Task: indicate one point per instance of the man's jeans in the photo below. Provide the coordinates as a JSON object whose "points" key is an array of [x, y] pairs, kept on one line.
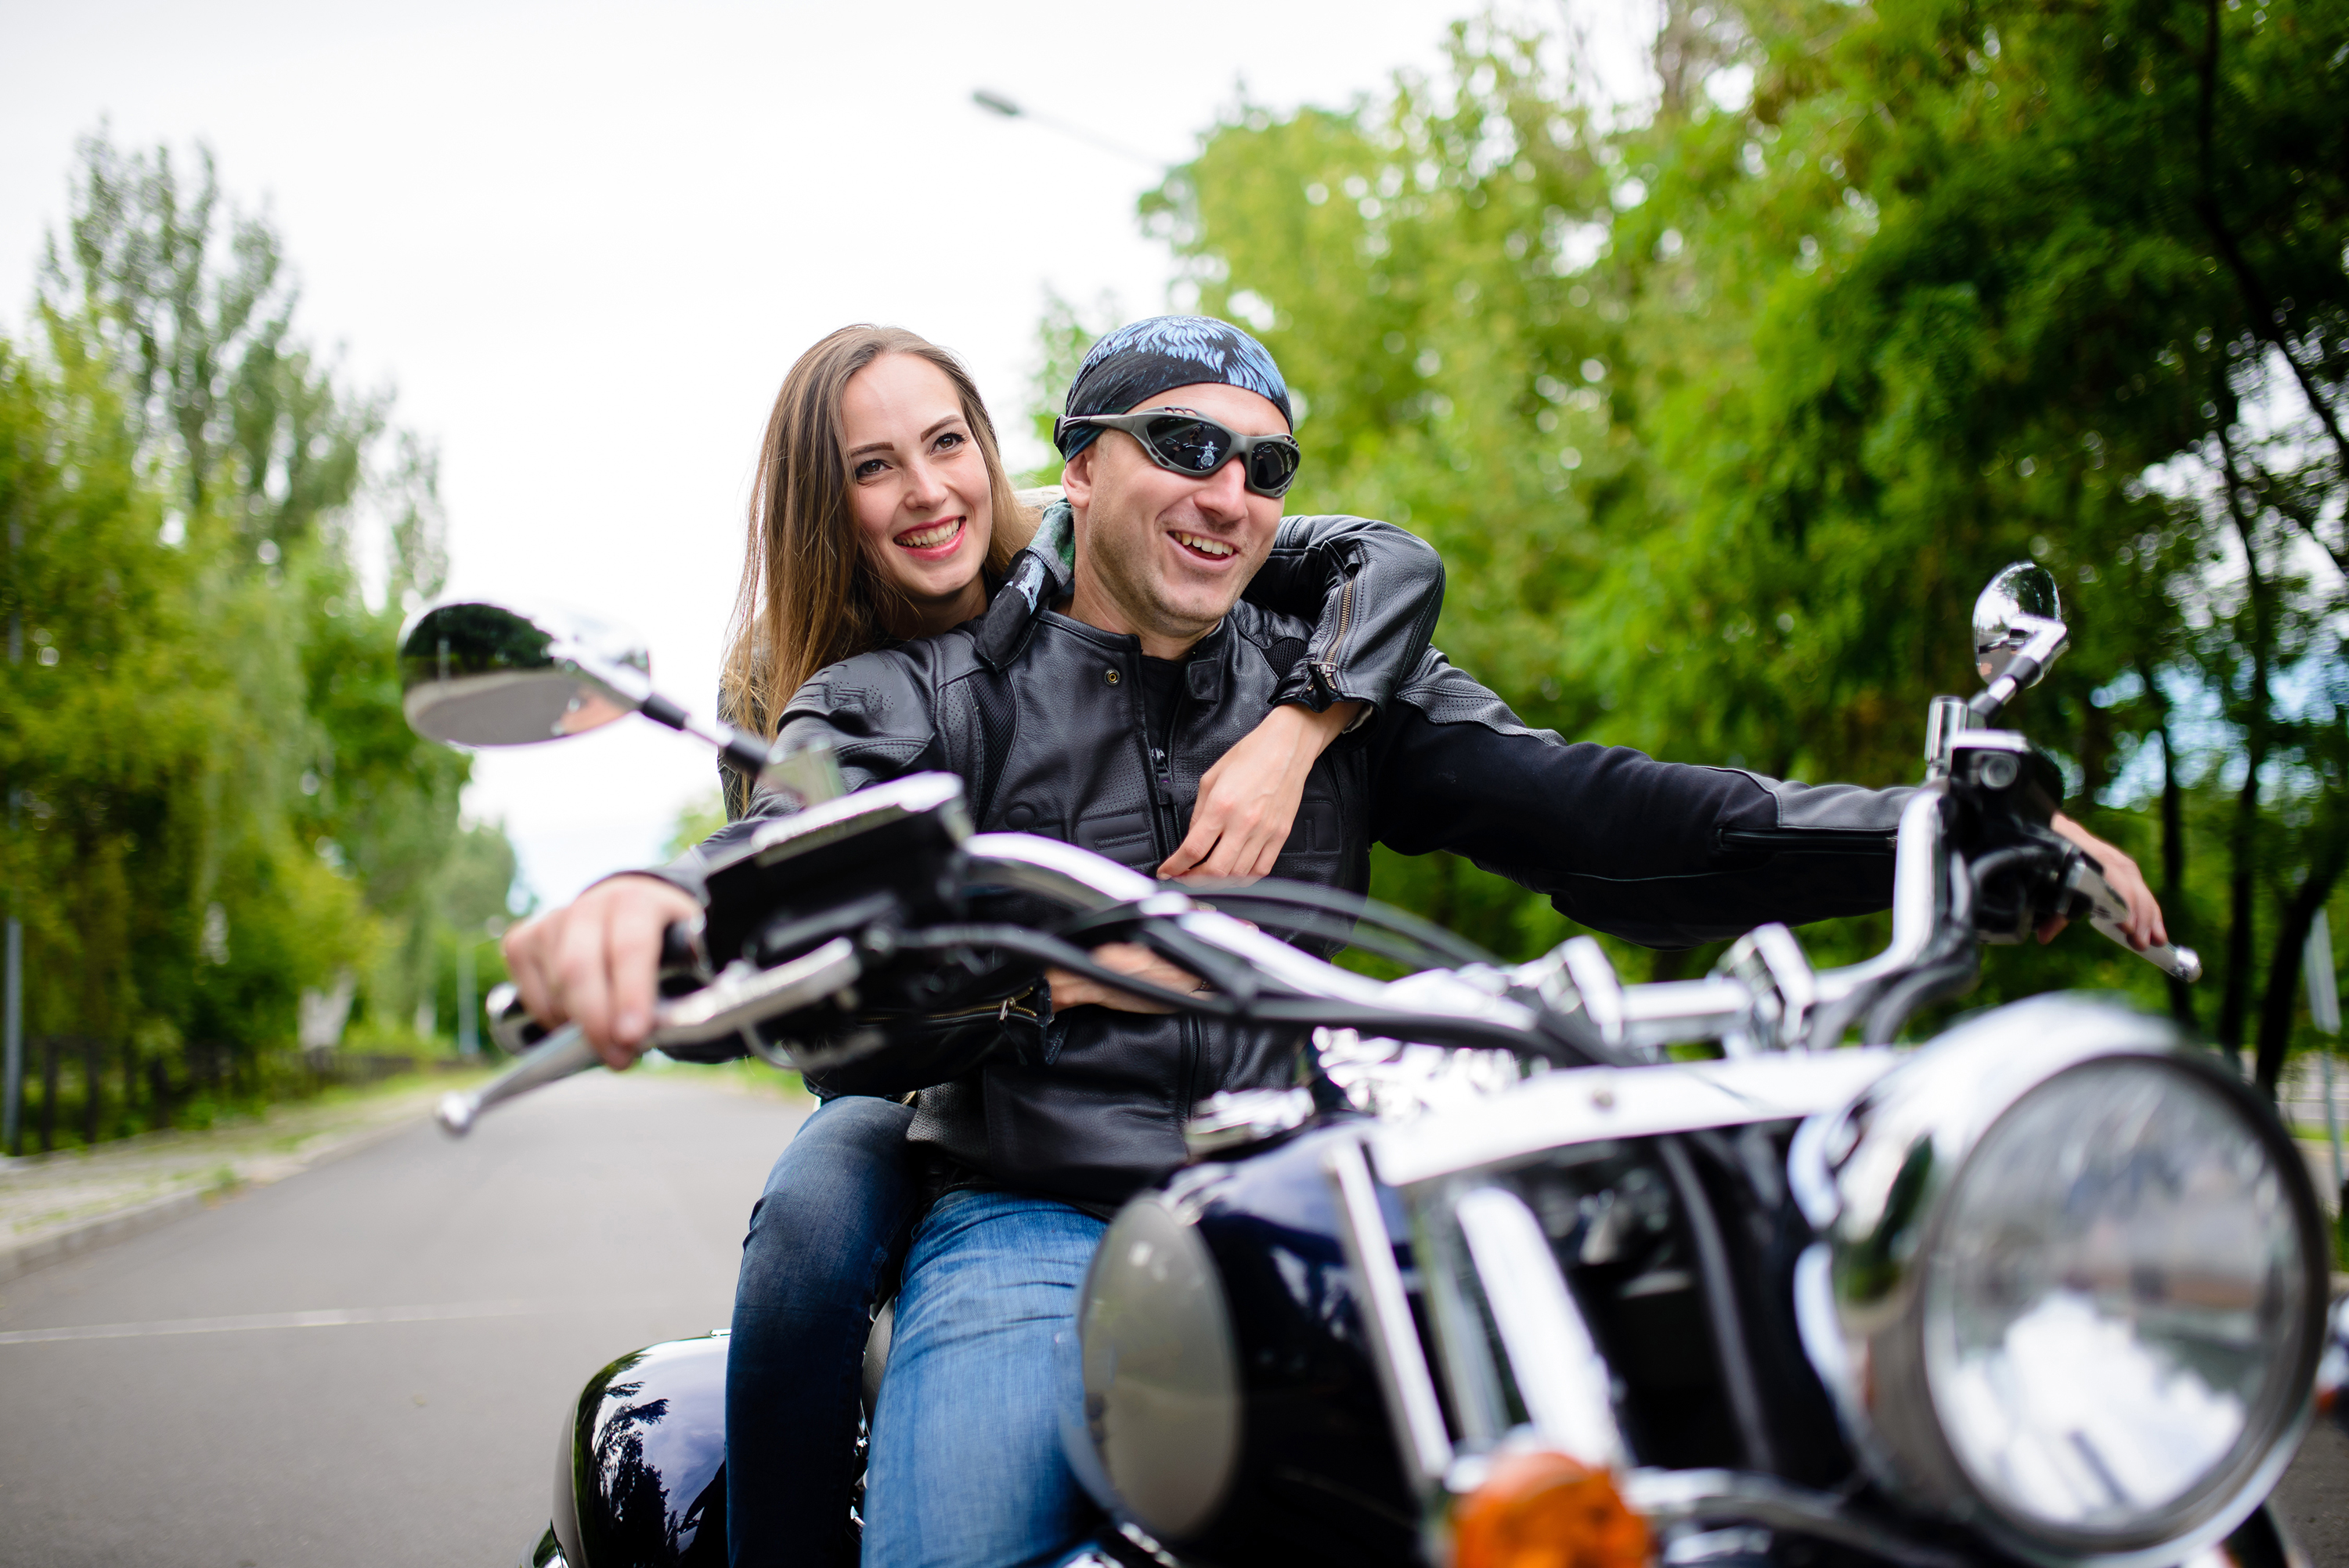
{"points": [[968, 1469], [824, 1238]]}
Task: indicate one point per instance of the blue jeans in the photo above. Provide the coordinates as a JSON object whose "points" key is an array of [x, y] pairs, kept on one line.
{"points": [[824, 1240], [966, 1468]]}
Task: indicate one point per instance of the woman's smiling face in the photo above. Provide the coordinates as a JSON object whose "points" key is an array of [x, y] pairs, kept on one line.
{"points": [[919, 484]]}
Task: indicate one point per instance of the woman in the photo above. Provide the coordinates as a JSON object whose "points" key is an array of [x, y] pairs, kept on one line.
{"points": [[881, 513]]}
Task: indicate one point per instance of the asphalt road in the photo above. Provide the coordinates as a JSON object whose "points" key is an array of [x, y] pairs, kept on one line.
{"points": [[369, 1365], [457, 1296]]}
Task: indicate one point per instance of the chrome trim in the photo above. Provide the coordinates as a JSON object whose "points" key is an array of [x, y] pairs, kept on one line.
{"points": [[1595, 984], [1945, 719], [1919, 895], [1667, 1012], [1235, 1119], [1466, 1362], [1640, 1019], [1053, 869], [2046, 640], [1395, 1080], [2012, 741], [1584, 1104], [1558, 1368], [507, 1021], [1781, 989], [1394, 1337], [1670, 1498]]}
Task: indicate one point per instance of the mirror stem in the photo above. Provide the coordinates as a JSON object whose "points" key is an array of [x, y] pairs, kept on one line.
{"points": [[743, 751]]}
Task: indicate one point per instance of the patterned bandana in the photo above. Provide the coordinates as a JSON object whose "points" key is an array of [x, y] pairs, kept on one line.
{"points": [[1145, 357]]}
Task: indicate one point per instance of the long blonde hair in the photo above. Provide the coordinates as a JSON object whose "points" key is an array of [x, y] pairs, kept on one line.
{"points": [[810, 596]]}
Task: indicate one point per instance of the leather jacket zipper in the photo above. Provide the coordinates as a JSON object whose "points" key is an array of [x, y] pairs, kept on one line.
{"points": [[1169, 834], [1328, 663], [1018, 1005], [1817, 841]]}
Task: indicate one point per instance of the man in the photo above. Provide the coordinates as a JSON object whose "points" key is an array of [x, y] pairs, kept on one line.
{"points": [[1085, 705]]}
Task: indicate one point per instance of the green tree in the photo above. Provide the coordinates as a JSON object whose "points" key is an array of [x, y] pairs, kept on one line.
{"points": [[1722, 407], [221, 805]]}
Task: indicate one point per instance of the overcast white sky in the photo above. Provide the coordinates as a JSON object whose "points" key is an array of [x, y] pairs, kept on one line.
{"points": [[586, 241]]}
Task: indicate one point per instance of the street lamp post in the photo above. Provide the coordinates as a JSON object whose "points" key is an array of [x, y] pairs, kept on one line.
{"points": [[12, 964], [468, 1009], [996, 103]]}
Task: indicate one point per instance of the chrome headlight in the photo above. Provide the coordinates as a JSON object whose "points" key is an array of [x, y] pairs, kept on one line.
{"points": [[2072, 1288]]}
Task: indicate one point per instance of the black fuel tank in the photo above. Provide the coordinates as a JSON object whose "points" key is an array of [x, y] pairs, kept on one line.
{"points": [[641, 1479]]}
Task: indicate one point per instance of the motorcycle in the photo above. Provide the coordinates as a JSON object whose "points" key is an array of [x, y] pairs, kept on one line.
{"points": [[1537, 1266]]}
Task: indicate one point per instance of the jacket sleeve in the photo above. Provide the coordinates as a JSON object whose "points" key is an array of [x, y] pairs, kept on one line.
{"points": [[1373, 591], [1660, 853]]}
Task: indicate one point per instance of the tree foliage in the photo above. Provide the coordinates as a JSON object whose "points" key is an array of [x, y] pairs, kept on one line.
{"points": [[1724, 406], [217, 804]]}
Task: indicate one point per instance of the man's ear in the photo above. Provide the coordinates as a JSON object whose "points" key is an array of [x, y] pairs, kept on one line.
{"points": [[1077, 478]]}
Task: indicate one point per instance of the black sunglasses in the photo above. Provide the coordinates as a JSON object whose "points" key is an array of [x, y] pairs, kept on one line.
{"points": [[1194, 446]]}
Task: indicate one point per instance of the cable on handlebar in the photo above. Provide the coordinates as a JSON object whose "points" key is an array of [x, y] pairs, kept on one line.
{"points": [[1422, 945], [1312, 1011], [1433, 939], [1739, 1379]]}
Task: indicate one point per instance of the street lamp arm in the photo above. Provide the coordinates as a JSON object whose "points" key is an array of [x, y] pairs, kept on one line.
{"points": [[996, 103]]}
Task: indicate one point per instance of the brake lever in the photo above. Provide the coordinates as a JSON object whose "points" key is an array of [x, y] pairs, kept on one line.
{"points": [[2108, 911], [556, 1056]]}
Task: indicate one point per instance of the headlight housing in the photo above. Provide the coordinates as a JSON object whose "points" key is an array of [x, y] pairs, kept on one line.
{"points": [[2072, 1286]]}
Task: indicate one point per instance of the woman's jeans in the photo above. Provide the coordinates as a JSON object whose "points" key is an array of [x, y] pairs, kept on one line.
{"points": [[824, 1240], [967, 1469]]}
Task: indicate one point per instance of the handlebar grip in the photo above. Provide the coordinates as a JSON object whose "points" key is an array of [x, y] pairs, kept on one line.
{"points": [[560, 1054], [681, 946]]}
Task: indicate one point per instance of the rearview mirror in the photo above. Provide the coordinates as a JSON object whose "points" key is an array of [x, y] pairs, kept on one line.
{"points": [[2020, 604], [482, 672]]}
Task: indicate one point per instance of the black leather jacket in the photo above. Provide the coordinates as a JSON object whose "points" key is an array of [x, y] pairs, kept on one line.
{"points": [[1373, 591], [1041, 715]]}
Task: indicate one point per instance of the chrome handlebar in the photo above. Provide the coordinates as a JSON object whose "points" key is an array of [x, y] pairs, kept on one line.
{"points": [[1765, 995]]}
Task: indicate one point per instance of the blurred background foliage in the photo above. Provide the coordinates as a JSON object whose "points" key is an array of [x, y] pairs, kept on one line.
{"points": [[224, 842], [1721, 405], [1724, 406]]}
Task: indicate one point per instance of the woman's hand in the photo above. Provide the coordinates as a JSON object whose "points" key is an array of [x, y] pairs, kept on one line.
{"points": [[2144, 925], [1127, 958], [1247, 801], [596, 962]]}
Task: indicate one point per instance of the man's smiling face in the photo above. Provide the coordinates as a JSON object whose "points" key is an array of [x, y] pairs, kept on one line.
{"points": [[1159, 554]]}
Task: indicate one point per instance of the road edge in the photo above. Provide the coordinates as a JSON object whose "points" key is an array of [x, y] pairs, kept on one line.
{"points": [[22, 1255]]}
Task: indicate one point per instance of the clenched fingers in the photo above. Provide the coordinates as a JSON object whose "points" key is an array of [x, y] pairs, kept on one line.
{"points": [[529, 949], [596, 962]]}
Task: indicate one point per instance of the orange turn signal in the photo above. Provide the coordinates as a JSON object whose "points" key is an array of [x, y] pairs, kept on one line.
{"points": [[1542, 1510]]}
